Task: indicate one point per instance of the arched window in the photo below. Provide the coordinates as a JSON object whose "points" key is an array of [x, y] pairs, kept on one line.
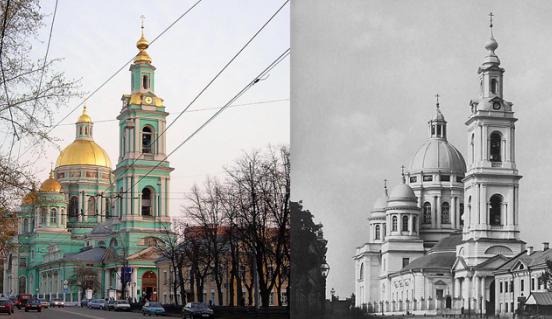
{"points": [[146, 140], [445, 213], [377, 231], [25, 226], [427, 213], [145, 82], [43, 216], [432, 130], [146, 202], [101, 243], [394, 225], [405, 223], [53, 216], [74, 207], [414, 224], [461, 214], [494, 86], [496, 140], [107, 208], [92, 206], [495, 210], [361, 273]]}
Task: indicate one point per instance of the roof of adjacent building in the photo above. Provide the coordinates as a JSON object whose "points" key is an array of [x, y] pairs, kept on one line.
{"points": [[91, 255], [539, 298], [536, 259], [440, 257]]}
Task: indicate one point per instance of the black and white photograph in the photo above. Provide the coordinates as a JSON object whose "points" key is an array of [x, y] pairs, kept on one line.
{"points": [[420, 155]]}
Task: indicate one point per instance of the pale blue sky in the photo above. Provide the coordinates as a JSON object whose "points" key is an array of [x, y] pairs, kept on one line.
{"points": [[364, 77], [95, 38]]}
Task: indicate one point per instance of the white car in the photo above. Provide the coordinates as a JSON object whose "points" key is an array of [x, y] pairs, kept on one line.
{"points": [[121, 305]]}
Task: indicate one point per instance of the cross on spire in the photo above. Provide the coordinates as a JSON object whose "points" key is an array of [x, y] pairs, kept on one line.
{"points": [[385, 186], [491, 22], [142, 18], [402, 173], [437, 99]]}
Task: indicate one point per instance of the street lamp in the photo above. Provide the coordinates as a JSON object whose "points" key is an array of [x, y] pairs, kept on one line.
{"points": [[332, 293], [324, 271]]}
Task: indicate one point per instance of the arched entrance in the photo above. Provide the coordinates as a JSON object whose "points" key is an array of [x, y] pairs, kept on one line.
{"points": [[149, 286]]}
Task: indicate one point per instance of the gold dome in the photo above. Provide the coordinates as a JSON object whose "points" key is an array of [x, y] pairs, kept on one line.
{"points": [[51, 185], [83, 152], [84, 118], [142, 45], [29, 199]]}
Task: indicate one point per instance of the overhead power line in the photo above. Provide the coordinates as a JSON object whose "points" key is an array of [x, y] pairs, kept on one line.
{"points": [[113, 75]]}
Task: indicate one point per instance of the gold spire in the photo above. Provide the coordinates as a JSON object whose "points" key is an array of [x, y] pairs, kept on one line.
{"points": [[142, 45], [51, 185], [84, 118]]}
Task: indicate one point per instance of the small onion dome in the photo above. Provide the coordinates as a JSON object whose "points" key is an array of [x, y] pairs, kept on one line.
{"points": [[142, 56], [29, 199], [51, 185], [84, 118], [491, 45], [402, 192]]}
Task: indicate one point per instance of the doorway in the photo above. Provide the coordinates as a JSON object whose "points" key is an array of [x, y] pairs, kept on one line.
{"points": [[149, 286]]}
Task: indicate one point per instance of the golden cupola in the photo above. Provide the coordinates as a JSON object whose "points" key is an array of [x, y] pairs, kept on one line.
{"points": [[29, 199], [51, 185], [142, 45], [83, 150]]}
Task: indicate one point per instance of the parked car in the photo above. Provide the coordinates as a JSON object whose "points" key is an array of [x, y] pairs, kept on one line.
{"points": [[6, 306], [97, 304], [22, 300], [45, 303], [121, 305], [153, 308], [194, 310], [57, 303], [110, 305], [84, 303], [34, 304]]}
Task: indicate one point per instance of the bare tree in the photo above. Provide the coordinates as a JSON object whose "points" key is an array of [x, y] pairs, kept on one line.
{"points": [[205, 210], [30, 91], [198, 258], [170, 246], [85, 278]]}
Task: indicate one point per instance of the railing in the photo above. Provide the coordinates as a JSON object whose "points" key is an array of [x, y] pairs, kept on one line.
{"points": [[496, 164]]}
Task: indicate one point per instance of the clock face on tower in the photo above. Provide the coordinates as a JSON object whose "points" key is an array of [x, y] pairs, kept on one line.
{"points": [[496, 106], [148, 100]]}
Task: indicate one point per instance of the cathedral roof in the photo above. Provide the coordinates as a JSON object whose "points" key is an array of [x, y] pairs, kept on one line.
{"points": [[435, 260], [437, 155], [92, 255], [51, 185], [402, 192], [448, 243]]}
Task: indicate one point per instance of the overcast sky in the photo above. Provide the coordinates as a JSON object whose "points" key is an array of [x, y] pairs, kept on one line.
{"points": [[96, 38], [364, 76]]}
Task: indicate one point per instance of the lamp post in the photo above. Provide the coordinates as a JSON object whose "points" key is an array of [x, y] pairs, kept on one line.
{"points": [[324, 271]]}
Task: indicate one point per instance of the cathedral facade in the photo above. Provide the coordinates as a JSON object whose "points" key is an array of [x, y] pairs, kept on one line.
{"points": [[436, 240], [89, 215]]}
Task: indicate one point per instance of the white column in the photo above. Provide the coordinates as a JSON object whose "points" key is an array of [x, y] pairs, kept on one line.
{"points": [[162, 197], [58, 217], [48, 217], [79, 212], [483, 300], [439, 211], [485, 143], [484, 204], [433, 212], [477, 204], [85, 208], [134, 283], [453, 211]]}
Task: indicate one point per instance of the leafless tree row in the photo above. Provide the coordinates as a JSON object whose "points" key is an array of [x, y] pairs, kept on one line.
{"points": [[237, 230]]}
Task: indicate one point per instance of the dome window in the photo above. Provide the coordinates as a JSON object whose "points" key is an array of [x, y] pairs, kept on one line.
{"points": [[405, 223], [494, 86], [361, 274], [414, 224], [495, 151], [445, 178], [445, 213], [92, 206], [428, 178], [495, 211], [394, 225], [413, 179], [145, 82], [377, 231], [461, 214], [427, 213], [53, 216]]}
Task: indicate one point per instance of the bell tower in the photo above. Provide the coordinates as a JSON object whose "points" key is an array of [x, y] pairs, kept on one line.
{"points": [[142, 173], [491, 186]]}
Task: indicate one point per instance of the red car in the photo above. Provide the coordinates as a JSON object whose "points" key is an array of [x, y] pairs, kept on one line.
{"points": [[34, 304], [6, 306], [22, 300]]}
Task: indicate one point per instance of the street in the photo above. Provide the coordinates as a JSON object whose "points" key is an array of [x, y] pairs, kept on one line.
{"points": [[74, 313]]}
